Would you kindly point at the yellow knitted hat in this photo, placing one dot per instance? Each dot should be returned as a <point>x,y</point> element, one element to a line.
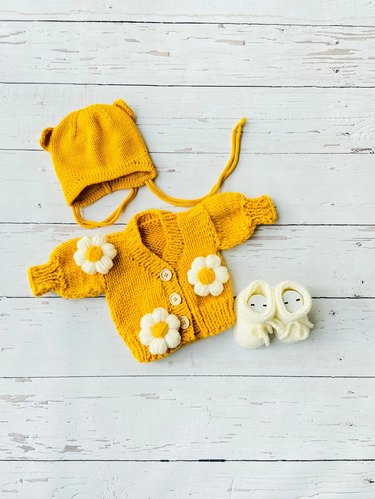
<point>99,149</point>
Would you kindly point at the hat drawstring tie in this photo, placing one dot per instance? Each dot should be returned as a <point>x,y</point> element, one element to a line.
<point>111,219</point>
<point>229,167</point>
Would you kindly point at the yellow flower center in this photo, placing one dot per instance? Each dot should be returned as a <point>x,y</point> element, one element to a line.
<point>159,329</point>
<point>94,253</point>
<point>206,276</point>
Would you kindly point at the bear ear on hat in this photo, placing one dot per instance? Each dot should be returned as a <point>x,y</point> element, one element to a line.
<point>45,138</point>
<point>122,105</point>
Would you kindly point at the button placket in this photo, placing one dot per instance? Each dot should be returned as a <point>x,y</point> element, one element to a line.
<point>177,300</point>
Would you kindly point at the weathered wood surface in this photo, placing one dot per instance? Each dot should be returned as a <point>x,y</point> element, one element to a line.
<point>187,418</point>
<point>336,12</point>
<point>69,388</point>
<point>194,54</point>
<point>55,337</point>
<point>199,120</point>
<point>335,261</point>
<point>175,480</point>
<point>306,188</point>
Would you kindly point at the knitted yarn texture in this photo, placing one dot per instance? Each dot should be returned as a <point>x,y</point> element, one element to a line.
<point>164,278</point>
<point>252,328</point>
<point>99,149</point>
<point>273,315</point>
<point>291,327</point>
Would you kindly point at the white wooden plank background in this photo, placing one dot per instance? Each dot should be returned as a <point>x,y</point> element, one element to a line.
<point>206,55</point>
<point>39,338</point>
<point>167,418</point>
<point>330,12</point>
<point>77,412</point>
<point>224,480</point>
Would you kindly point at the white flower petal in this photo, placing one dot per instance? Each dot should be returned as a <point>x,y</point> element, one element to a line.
<point>158,346</point>
<point>89,267</point>
<point>84,243</point>
<point>192,276</point>
<point>216,288</point>
<point>79,257</point>
<point>98,240</point>
<point>201,289</point>
<point>198,263</point>
<point>104,265</point>
<point>109,250</point>
<point>147,321</point>
<point>146,337</point>
<point>213,261</point>
<point>159,314</point>
<point>172,321</point>
<point>173,338</point>
<point>222,274</point>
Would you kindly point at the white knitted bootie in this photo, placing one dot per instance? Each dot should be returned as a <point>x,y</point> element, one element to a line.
<point>293,303</point>
<point>254,308</point>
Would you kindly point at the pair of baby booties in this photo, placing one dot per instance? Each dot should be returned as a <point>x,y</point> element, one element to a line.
<point>262,310</point>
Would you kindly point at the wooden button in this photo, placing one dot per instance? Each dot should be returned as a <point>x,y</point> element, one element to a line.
<point>184,322</point>
<point>175,299</point>
<point>166,275</point>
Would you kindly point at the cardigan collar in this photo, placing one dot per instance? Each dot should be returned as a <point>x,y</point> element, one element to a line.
<point>171,232</point>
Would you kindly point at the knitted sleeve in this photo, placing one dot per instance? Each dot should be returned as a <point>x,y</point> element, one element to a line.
<point>235,216</point>
<point>62,275</point>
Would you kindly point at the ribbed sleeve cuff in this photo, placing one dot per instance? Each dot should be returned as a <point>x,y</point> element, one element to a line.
<point>44,278</point>
<point>260,210</point>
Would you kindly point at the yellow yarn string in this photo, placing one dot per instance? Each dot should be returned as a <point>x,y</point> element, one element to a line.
<point>229,167</point>
<point>111,219</point>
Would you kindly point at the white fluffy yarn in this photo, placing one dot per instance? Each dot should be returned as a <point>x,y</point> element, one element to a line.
<point>252,328</point>
<point>291,327</point>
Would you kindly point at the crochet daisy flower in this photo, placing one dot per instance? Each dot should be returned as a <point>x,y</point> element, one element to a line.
<point>208,275</point>
<point>94,254</point>
<point>159,331</point>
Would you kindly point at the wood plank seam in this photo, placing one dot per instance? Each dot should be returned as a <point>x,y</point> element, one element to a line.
<point>180,85</point>
<point>337,460</point>
<point>186,23</point>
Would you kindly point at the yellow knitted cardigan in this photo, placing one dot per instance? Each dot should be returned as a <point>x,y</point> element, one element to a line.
<point>164,279</point>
